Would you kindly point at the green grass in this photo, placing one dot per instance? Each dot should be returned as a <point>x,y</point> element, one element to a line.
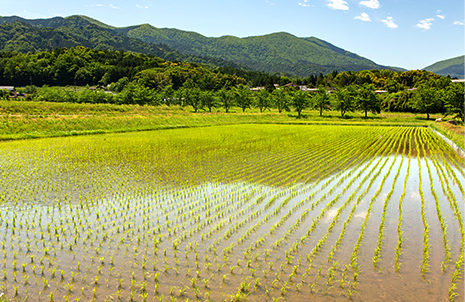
<point>26,120</point>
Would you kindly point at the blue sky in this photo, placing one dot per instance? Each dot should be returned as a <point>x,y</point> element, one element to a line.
<point>406,33</point>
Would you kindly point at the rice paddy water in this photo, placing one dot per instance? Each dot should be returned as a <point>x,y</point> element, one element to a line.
<point>245,212</point>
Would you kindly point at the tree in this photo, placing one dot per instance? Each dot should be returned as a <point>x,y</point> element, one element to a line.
<point>191,94</point>
<point>226,99</point>
<point>166,95</point>
<point>280,100</point>
<point>300,101</point>
<point>208,100</point>
<point>321,100</point>
<point>427,99</point>
<point>4,93</point>
<point>344,99</point>
<point>243,97</point>
<point>191,97</point>
<point>367,100</point>
<point>262,100</point>
<point>454,100</point>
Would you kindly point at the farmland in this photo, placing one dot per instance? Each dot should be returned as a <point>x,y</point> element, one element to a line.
<point>256,212</point>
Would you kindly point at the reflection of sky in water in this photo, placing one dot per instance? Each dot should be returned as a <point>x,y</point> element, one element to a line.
<point>361,214</point>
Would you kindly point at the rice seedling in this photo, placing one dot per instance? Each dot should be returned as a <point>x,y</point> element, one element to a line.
<point>250,199</point>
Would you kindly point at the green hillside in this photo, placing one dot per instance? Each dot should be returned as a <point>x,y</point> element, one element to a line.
<point>22,35</point>
<point>454,67</point>
<point>277,52</point>
<point>274,53</point>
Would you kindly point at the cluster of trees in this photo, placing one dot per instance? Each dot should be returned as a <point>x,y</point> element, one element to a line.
<point>140,79</point>
<point>84,66</point>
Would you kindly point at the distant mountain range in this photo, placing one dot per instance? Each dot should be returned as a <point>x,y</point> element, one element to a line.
<point>454,67</point>
<point>280,53</point>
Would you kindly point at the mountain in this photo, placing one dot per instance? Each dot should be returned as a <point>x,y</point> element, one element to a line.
<point>454,67</point>
<point>23,35</point>
<point>274,53</point>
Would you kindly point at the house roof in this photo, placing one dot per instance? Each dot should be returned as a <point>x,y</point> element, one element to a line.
<point>9,88</point>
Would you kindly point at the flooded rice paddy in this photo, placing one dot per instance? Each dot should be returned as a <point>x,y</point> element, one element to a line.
<point>250,212</point>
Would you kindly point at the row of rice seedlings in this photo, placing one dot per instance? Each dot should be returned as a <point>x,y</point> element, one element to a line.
<point>332,224</point>
<point>426,246</point>
<point>401,199</point>
<point>287,215</point>
<point>299,220</point>
<point>386,202</point>
<point>355,251</point>
<point>457,274</point>
<point>447,248</point>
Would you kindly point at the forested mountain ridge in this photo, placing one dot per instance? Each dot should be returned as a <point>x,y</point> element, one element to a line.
<point>454,67</point>
<point>22,35</point>
<point>275,53</point>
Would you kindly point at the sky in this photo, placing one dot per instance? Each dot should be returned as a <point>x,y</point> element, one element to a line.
<point>411,34</point>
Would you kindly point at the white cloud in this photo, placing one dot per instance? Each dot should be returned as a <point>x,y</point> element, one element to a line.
<point>141,6</point>
<point>374,4</point>
<point>115,7</point>
<point>459,23</point>
<point>441,16</point>
<point>390,22</point>
<point>338,4</point>
<point>425,24</point>
<point>363,17</point>
<point>304,4</point>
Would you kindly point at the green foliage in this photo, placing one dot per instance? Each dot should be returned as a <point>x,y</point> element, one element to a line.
<point>427,99</point>
<point>281,100</point>
<point>454,100</point>
<point>321,100</point>
<point>300,101</point>
<point>344,99</point>
<point>453,67</point>
<point>366,100</point>
<point>243,97</point>
<point>263,100</point>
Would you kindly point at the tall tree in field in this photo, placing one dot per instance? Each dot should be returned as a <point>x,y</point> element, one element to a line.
<point>321,100</point>
<point>300,101</point>
<point>280,100</point>
<point>454,100</point>
<point>367,100</point>
<point>190,93</point>
<point>226,99</point>
<point>262,100</point>
<point>208,100</point>
<point>243,97</point>
<point>427,99</point>
<point>344,99</point>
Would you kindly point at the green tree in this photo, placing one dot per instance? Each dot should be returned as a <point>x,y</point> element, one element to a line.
<point>344,99</point>
<point>454,100</point>
<point>321,100</point>
<point>263,100</point>
<point>226,99</point>
<point>243,97</point>
<point>281,100</point>
<point>300,101</point>
<point>427,99</point>
<point>208,100</point>
<point>367,100</point>
<point>4,93</point>
<point>192,97</point>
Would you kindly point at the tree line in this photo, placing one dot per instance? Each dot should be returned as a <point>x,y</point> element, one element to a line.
<point>148,80</point>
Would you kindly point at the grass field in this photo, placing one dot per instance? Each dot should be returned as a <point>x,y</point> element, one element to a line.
<point>23,120</point>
